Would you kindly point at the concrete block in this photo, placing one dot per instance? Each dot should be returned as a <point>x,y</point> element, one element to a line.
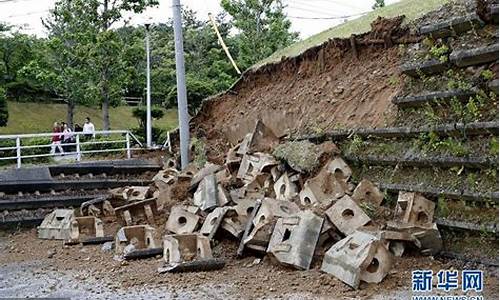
<point>244,145</point>
<point>86,227</point>
<point>264,221</point>
<point>326,186</point>
<point>99,206</point>
<point>166,176</point>
<point>181,221</point>
<point>253,165</point>
<point>181,248</point>
<point>414,208</point>
<point>359,256</point>
<point>379,266</point>
<point>162,193</point>
<point>223,196</point>
<point>346,215</point>
<point>294,239</point>
<point>205,196</point>
<point>136,193</point>
<point>136,237</point>
<point>233,158</point>
<point>367,192</point>
<point>427,239</point>
<point>284,188</point>
<point>213,221</point>
<point>237,216</point>
<point>339,169</point>
<point>137,212</point>
<point>56,225</point>
<point>208,169</point>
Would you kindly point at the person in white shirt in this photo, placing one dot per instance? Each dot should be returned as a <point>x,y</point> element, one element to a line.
<point>67,137</point>
<point>88,129</point>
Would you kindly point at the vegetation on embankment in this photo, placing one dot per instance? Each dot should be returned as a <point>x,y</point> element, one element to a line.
<point>39,117</point>
<point>410,8</point>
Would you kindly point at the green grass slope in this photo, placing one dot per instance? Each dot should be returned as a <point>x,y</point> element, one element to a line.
<point>39,117</point>
<point>412,9</point>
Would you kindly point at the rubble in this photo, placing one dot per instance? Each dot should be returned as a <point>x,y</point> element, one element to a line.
<point>237,217</point>
<point>181,220</point>
<point>83,228</point>
<point>279,209</point>
<point>415,209</point>
<point>294,239</point>
<point>136,211</point>
<point>213,221</point>
<point>284,189</point>
<point>346,215</point>
<point>188,252</point>
<point>265,219</point>
<point>132,238</point>
<point>57,225</point>
<point>136,193</point>
<point>205,196</point>
<point>359,256</point>
<point>367,192</point>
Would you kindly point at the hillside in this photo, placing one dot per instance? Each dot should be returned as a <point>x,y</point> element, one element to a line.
<point>410,8</point>
<point>39,117</point>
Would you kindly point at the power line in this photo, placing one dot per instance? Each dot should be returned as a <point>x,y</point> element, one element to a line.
<point>310,10</point>
<point>309,2</point>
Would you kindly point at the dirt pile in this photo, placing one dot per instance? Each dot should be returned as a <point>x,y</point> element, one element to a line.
<point>330,86</point>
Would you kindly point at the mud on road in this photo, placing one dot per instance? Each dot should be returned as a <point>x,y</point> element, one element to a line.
<point>30,267</point>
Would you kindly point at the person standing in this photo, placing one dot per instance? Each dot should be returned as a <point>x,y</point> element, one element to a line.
<point>67,137</point>
<point>88,129</point>
<point>56,139</point>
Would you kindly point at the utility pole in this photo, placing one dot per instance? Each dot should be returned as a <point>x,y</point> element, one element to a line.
<point>148,91</point>
<point>181,85</point>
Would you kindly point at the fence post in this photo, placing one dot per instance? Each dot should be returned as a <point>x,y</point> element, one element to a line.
<point>78,153</point>
<point>18,151</point>
<point>127,137</point>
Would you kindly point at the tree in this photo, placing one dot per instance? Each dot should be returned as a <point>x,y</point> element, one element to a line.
<point>378,4</point>
<point>263,28</point>
<point>4,114</point>
<point>72,38</point>
<point>111,12</point>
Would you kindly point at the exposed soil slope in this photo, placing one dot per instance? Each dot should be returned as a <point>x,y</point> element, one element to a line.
<point>326,87</point>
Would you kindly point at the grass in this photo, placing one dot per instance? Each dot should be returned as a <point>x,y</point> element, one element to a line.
<point>39,117</point>
<point>410,8</point>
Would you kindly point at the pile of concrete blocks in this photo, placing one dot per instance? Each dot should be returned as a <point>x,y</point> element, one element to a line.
<point>299,219</point>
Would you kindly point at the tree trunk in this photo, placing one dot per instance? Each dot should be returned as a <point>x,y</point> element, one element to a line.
<point>70,113</point>
<point>105,113</point>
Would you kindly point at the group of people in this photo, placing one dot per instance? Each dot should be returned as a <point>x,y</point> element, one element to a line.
<point>63,136</point>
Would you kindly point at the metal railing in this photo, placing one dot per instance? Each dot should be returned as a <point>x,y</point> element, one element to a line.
<point>79,142</point>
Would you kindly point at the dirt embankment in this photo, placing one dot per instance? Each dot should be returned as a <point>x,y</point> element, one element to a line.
<point>330,86</point>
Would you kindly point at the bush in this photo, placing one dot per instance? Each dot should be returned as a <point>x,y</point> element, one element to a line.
<point>158,135</point>
<point>24,152</point>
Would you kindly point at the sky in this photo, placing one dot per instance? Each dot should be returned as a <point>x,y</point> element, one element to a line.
<point>308,17</point>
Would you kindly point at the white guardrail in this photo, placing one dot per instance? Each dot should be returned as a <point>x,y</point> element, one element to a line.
<point>80,141</point>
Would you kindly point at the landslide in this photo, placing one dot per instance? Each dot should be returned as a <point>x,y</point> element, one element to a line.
<point>329,86</point>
